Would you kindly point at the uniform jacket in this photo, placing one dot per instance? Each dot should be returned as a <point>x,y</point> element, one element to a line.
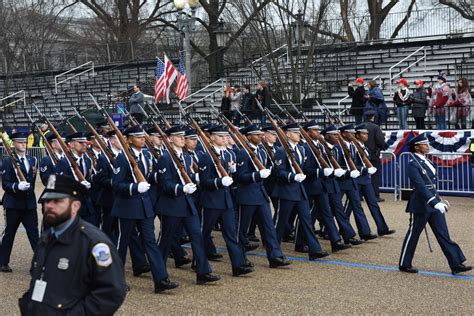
<point>286,187</point>
<point>314,174</point>
<point>345,182</point>
<point>13,197</point>
<point>376,141</point>
<point>364,177</point>
<point>103,181</point>
<point>424,196</point>
<point>83,271</point>
<point>250,188</point>
<point>128,202</point>
<point>269,183</point>
<point>173,201</point>
<point>330,183</point>
<point>46,169</point>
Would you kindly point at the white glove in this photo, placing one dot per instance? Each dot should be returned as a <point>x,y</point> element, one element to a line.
<point>300,177</point>
<point>372,170</point>
<point>87,184</point>
<point>355,173</point>
<point>143,187</point>
<point>23,186</point>
<point>440,206</point>
<point>232,167</point>
<point>227,181</point>
<point>264,173</point>
<point>328,171</point>
<point>189,188</point>
<point>339,172</point>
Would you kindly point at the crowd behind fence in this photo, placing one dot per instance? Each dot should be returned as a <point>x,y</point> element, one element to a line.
<point>455,172</point>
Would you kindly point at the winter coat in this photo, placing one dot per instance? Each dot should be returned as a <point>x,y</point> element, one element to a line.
<point>419,102</point>
<point>440,98</point>
<point>377,101</point>
<point>404,100</point>
<point>462,102</point>
<point>358,100</point>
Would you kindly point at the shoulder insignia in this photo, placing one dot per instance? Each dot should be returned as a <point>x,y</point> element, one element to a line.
<point>116,170</point>
<point>63,264</point>
<point>162,170</point>
<point>203,168</point>
<point>43,169</point>
<point>278,162</point>
<point>240,163</point>
<point>3,171</point>
<point>102,255</point>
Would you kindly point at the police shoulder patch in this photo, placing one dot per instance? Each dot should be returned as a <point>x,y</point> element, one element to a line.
<point>102,255</point>
<point>116,170</point>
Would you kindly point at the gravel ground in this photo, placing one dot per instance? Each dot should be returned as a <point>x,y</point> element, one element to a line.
<point>359,280</point>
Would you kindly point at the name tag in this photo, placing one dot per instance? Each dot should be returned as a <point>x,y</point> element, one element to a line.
<point>39,290</point>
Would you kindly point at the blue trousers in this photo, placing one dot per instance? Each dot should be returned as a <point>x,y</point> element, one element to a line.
<point>439,227</point>
<point>13,218</point>
<point>440,122</point>
<point>304,228</point>
<point>265,225</point>
<point>367,191</point>
<point>226,219</point>
<point>353,204</point>
<point>402,116</point>
<point>170,225</point>
<point>146,228</point>
<point>321,209</point>
<point>345,227</point>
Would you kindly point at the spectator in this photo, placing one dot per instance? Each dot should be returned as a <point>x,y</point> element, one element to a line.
<point>358,99</point>
<point>375,144</point>
<point>4,135</point>
<point>462,102</point>
<point>440,98</point>
<point>236,104</point>
<point>32,138</point>
<point>248,102</point>
<point>419,103</point>
<point>135,103</point>
<point>376,101</point>
<point>401,98</point>
<point>225,103</point>
<point>265,98</point>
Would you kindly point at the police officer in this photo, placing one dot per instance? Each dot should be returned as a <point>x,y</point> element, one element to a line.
<point>19,199</point>
<point>252,197</point>
<point>425,206</point>
<point>75,269</point>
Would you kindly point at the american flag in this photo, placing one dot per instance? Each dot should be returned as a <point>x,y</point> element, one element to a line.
<point>171,74</point>
<point>182,86</point>
<point>159,80</point>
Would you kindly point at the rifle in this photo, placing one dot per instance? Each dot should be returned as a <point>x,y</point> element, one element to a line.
<point>179,165</point>
<point>126,148</point>
<point>236,140</point>
<point>243,141</point>
<point>47,145</point>
<point>244,116</point>
<point>72,161</point>
<point>62,118</point>
<point>361,152</point>
<point>281,136</point>
<point>98,138</point>
<point>21,177</point>
<point>207,144</point>
<point>160,115</point>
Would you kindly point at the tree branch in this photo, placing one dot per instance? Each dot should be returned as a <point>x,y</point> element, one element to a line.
<point>464,12</point>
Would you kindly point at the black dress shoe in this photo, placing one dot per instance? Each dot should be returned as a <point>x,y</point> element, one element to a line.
<point>207,278</point>
<point>339,246</point>
<point>182,261</point>
<point>253,238</point>
<point>214,256</point>
<point>6,268</point>
<point>248,263</point>
<point>251,246</point>
<point>289,238</point>
<point>408,269</point>
<point>241,270</point>
<point>304,249</point>
<point>141,270</point>
<point>165,284</point>
<point>353,241</point>
<point>279,262</point>
<point>368,237</point>
<point>318,255</point>
<point>184,240</point>
<point>379,200</point>
<point>388,232</point>
<point>460,268</point>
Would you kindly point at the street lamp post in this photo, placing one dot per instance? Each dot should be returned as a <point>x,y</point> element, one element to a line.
<point>222,36</point>
<point>299,32</point>
<point>185,25</point>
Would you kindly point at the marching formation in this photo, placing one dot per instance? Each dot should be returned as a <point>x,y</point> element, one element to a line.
<point>196,178</point>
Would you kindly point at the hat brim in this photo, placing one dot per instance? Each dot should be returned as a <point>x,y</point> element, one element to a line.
<point>52,196</point>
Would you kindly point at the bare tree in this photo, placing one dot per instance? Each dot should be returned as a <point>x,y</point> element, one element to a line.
<point>378,13</point>
<point>464,7</point>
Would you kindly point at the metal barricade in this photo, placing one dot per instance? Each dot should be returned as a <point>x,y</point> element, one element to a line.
<point>453,170</point>
<point>37,152</point>
<point>388,173</point>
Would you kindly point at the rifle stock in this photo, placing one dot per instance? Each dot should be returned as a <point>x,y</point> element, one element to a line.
<point>47,145</point>
<point>16,165</point>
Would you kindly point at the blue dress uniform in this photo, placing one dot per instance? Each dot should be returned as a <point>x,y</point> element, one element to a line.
<point>292,195</point>
<point>216,200</point>
<point>425,206</point>
<point>47,166</point>
<point>177,208</point>
<point>134,210</point>
<point>349,187</point>
<point>252,197</point>
<point>20,205</point>
<point>366,189</point>
<point>87,211</point>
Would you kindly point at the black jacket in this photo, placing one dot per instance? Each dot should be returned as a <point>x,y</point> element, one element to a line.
<point>419,101</point>
<point>358,100</point>
<point>264,97</point>
<point>376,141</point>
<point>83,271</point>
